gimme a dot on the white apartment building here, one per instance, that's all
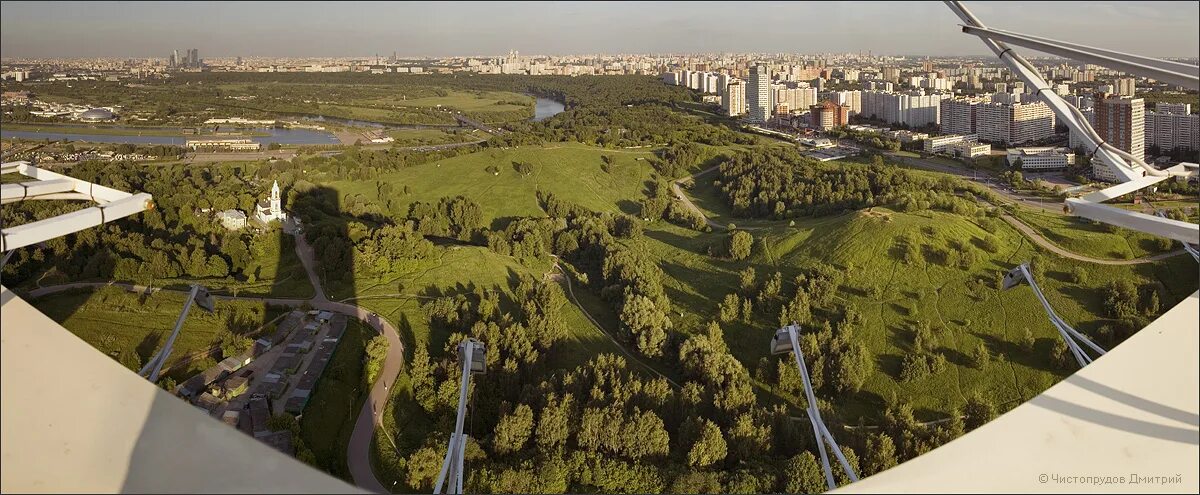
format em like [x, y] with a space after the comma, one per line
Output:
[794, 98]
[1173, 126]
[852, 99]
[1013, 124]
[939, 144]
[733, 100]
[1040, 159]
[912, 109]
[758, 95]
[958, 115]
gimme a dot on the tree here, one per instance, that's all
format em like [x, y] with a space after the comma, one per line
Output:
[980, 357]
[709, 448]
[978, 411]
[748, 439]
[647, 323]
[729, 308]
[513, 430]
[1121, 299]
[740, 243]
[1027, 341]
[423, 467]
[881, 453]
[1079, 275]
[802, 474]
[553, 425]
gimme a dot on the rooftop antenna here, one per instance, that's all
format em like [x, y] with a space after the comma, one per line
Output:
[786, 340]
[1021, 274]
[473, 355]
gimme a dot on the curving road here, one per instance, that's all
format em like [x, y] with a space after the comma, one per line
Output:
[358, 453]
[1037, 238]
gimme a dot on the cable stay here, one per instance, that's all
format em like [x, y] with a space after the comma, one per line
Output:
[786, 340]
[154, 366]
[473, 355]
[1069, 335]
[1132, 170]
[1186, 247]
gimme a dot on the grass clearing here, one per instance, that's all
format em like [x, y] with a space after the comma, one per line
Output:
[330, 414]
[130, 327]
[572, 172]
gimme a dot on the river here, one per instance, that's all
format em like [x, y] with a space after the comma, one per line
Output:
[543, 109]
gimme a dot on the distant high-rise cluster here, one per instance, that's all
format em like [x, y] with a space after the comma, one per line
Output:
[189, 60]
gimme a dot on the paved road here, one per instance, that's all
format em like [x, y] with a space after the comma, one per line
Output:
[1043, 242]
[358, 452]
[675, 188]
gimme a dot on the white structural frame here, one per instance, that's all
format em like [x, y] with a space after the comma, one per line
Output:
[1186, 247]
[1127, 167]
[786, 339]
[154, 366]
[473, 355]
[111, 204]
[1069, 335]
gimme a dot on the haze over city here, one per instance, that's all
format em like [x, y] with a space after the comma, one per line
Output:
[420, 29]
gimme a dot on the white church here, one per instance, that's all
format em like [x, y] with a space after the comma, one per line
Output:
[271, 209]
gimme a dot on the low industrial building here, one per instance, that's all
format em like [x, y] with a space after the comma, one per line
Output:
[223, 144]
[1040, 159]
[969, 149]
[939, 144]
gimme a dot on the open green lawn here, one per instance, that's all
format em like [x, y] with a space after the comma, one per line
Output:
[428, 137]
[1082, 236]
[132, 327]
[329, 416]
[571, 171]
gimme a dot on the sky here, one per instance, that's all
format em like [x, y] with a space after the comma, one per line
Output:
[435, 29]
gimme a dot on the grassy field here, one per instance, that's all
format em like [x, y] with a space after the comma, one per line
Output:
[131, 327]
[429, 137]
[1085, 237]
[573, 172]
[329, 417]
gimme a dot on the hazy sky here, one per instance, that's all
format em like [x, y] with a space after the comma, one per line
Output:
[140, 29]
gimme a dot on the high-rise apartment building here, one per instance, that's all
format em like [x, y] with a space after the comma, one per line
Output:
[891, 74]
[1013, 124]
[1126, 86]
[852, 99]
[1173, 126]
[733, 101]
[1120, 122]
[758, 94]
[913, 109]
[958, 116]
[828, 115]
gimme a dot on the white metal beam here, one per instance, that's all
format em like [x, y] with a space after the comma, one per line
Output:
[69, 223]
[1172, 76]
[1141, 222]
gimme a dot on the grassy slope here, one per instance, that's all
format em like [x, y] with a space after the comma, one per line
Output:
[570, 171]
[1083, 236]
[428, 137]
[119, 323]
[963, 303]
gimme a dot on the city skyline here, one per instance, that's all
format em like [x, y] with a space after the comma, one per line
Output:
[419, 29]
